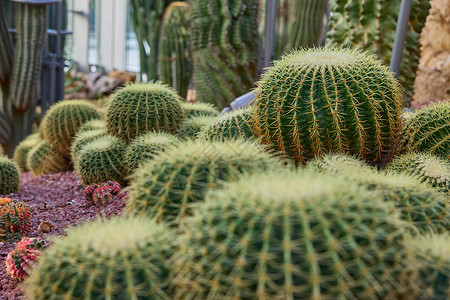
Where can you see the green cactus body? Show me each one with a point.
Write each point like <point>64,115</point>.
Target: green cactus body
<point>140,108</point>
<point>428,168</point>
<point>293,235</point>
<point>6,51</point>
<point>115,259</point>
<point>101,160</point>
<point>370,25</point>
<point>191,127</point>
<point>145,147</point>
<point>63,120</point>
<point>170,185</point>
<point>317,101</point>
<point>174,39</point>
<point>9,176</point>
<point>199,109</point>
<point>235,124</point>
<point>21,151</point>
<point>93,125</point>
<point>43,159</point>
<point>81,139</point>
<point>428,130</point>
<point>336,163</point>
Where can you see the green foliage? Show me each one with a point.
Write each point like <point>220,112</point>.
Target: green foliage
<point>82,138</point>
<point>293,235</point>
<point>199,109</point>
<point>318,101</point>
<point>93,125</point>
<point>9,176</point>
<point>145,147</point>
<point>63,120</point>
<point>144,107</point>
<point>191,127</point>
<point>43,159</point>
<point>235,124</point>
<point>115,259</point>
<point>21,151</point>
<point>101,160</point>
<point>170,185</point>
<point>174,40</point>
<point>370,25</point>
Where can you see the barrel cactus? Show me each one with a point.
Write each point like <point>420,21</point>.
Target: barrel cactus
<point>293,235</point>
<point>170,185</point>
<point>146,147</point>
<point>428,168</point>
<point>337,163</point>
<point>82,138</point>
<point>9,176</point>
<point>93,125</point>
<point>329,100</point>
<point>20,261</point>
<point>235,124</point>
<point>428,130</point>
<point>142,107</point>
<point>21,151</point>
<point>63,121</point>
<point>15,220</point>
<point>101,160</point>
<point>114,259</point>
<point>199,109</point>
<point>191,127</point>
<point>43,159</point>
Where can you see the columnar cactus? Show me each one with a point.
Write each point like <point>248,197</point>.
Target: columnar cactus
<point>321,100</point>
<point>21,151</point>
<point>101,195</point>
<point>15,220</point>
<point>170,185</point>
<point>92,125</point>
<point>235,124</point>
<point>6,51</point>
<point>82,138</point>
<point>174,40</point>
<point>115,259</point>
<point>9,176</point>
<point>191,127</point>
<point>199,109</point>
<point>293,235</point>
<point>140,108</point>
<point>20,261</point>
<point>43,159</point>
<point>63,120</point>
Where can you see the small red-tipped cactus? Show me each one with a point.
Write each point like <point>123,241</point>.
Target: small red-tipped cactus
<point>21,259</point>
<point>15,219</point>
<point>102,194</point>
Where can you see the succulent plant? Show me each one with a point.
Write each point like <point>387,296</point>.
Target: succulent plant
<point>101,160</point>
<point>63,120</point>
<point>143,107</point>
<point>428,130</point>
<point>92,125</point>
<point>232,125</point>
<point>43,159</point>
<point>191,127</point>
<point>115,259</point>
<point>170,185</point>
<point>15,220</point>
<point>9,176</point>
<point>21,151</point>
<point>199,109</point>
<point>293,235</point>
<point>145,147</point>
<point>20,261</point>
<point>103,194</point>
<point>82,138</point>
<point>428,168</point>
<point>317,101</point>
<point>335,163</point>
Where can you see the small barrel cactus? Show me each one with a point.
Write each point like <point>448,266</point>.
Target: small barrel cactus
<point>236,124</point>
<point>101,195</point>
<point>191,127</point>
<point>143,107</point>
<point>115,259</point>
<point>146,147</point>
<point>43,159</point>
<point>92,125</point>
<point>63,121</point>
<point>428,130</point>
<point>20,261</point>
<point>170,185</point>
<point>317,101</point>
<point>21,151</point>
<point>293,235</point>
<point>337,163</point>
<point>9,176</point>
<point>199,109</point>
<point>15,220</point>
<point>428,168</point>
<point>101,160</point>
<point>82,138</point>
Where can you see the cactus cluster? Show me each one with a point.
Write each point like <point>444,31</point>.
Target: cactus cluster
<point>140,108</point>
<point>199,109</point>
<point>232,125</point>
<point>170,185</point>
<point>43,159</point>
<point>9,176</point>
<point>20,261</point>
<point>115,259</point>
<point>329,100</point>
<point>15,220</point>
<point>82,138</point>
<point>103,194</point>
<point>21,151</point>
<point>293,235</point>
<point>191,127</point>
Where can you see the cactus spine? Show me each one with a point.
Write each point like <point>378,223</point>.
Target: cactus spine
<point>191,127</point>
<point>43,159</point>
<point>83,138</point>
<point>232,125</point>
<point>199,109</point>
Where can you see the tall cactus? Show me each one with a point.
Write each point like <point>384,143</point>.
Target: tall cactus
<point>6,50</point>
<point>174,39</point>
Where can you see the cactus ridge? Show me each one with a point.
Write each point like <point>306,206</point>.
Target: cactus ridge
<point>43,159</point>
<point>199,109</point>
<point>191,127</point>
<point>235,124</point>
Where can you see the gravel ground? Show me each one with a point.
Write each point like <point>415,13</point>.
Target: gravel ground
<point>58,198</point>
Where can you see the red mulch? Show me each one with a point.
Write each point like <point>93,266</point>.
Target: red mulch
<point>58,198</point>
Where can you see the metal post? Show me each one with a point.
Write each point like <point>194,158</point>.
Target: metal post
<point>400,35</point>
<point>271,16</point>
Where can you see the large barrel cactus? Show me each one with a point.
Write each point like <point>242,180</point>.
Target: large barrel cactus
<point>329,100</point>
<point>293,236</point>
<point>370,25</point>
